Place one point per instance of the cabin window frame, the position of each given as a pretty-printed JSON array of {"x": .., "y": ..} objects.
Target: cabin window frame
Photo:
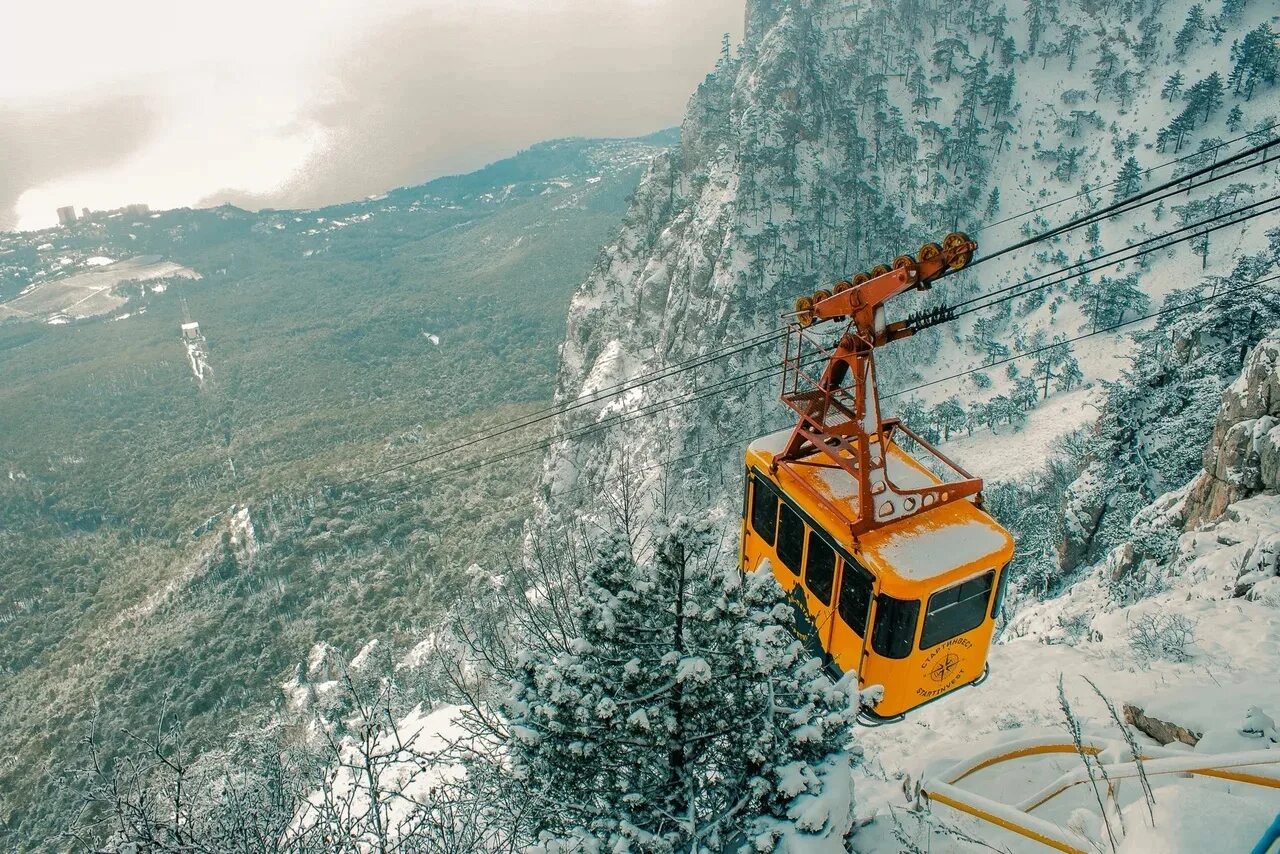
[
  {"x": 965, "y": 619},
  {"x": 1002, "y": 587},
  {"x": 756, "y": 485},
  {"x": 897, "y": 641},
  {"x": 845, "y": 560},
  {"x": 851, "y": 567},
  {"x": 798, "y": 566},
  {"x": 820, "y": 535}
]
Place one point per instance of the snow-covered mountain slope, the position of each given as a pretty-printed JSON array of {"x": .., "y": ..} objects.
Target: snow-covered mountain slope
[
  {"x": 1198, "y": 655},
  {"x": 844, "y": 133}
]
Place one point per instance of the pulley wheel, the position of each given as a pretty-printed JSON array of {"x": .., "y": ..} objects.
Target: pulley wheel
[
  {"x": 930, "y": 251},
  {"x": 819, "y": 296},
  {"x": 879, "y": 270},
  {"x": 804, "y": 311},
  {"x": 861, "y": 278},
  {"x": 955, "y": 240},
  {"x": 843, "y": 285},
  {"x": 903, "y": 261}
]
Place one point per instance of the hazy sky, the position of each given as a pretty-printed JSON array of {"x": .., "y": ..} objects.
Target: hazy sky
[{"x": 285, "y": 102}]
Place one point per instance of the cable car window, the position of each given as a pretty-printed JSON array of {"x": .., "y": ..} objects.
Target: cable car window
[
  {"x": 958, "y": 609},
  {"x": 764, "y": 511},
  {"x": 790, "y": 538},
  {"x": 894, "y": 633},
  {"x": 855, "y": 598},
  {"x": 997, "y": 604},
  {"x": 820, "y": 568}
]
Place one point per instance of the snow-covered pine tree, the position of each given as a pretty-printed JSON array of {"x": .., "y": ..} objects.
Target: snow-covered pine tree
[
  {"x": 1129, "y": 181},
  {"x": 1235, "y": 119},
  {"x": 1187, "y": 35},
  {"x": 949, "y": 415},
  {"x": 685, "y": 715},
  {"x": 1257, "y": 60}
]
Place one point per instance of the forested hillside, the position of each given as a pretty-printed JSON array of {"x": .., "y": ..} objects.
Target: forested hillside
[{"x": 171, "y": 546}]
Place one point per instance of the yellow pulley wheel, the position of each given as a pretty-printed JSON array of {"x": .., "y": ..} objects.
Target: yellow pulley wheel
[
  {"x": 930, "y": 251},
  {"x": 860, "y": 278},
  {"x": 843, "y": 285},
  {"x": 819, "y": 296},
  {"x": 903, "y": 261},
  {"x": 804, "y": 311},
  {"x": 954, "y": 240},
  {"x": 879, "y": 270}
]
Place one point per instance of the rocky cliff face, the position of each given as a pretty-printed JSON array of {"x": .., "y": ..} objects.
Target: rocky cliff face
[
  {"x": 843, "y": 133},
  {"x": 791, "y": 170},
  {"x": 1243, "y": 459}
]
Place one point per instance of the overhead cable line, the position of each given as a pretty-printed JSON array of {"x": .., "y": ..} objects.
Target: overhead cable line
[
  {"x": 1145, "y": 197},
  {"x": 723, "y": 386},
  {"x": 1157, "y": 167},
  {"x": 668, "y": 371},
  {"x": 757, "y": 375},
  {"x": 1124, "y": 206},
  {"x": 771, "y": 371},
  {"x": 737, "y": 441},
  {"x": 1081, "y": 337},
  {"x": 599, "y": 395},
  {"x": 1198, "y": 231},
  {"x": 1083, "y": 262}
]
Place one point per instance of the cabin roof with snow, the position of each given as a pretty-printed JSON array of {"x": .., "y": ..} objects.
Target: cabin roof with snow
[{"x": 956, "y": 538}]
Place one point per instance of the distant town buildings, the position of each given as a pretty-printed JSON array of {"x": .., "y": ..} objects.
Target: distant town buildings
[{"x": 67, "y": 215}]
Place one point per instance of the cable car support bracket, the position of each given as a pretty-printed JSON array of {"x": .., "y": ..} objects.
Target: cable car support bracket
[{"x": 840, "y": 425}]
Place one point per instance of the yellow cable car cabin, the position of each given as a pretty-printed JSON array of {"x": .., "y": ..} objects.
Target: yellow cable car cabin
[
  {"x": 888, "y": 553},
  {"x": 909, "y": 607}
]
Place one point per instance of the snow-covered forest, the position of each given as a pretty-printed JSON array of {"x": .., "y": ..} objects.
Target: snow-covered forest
[{"x": 620, "y": 687}]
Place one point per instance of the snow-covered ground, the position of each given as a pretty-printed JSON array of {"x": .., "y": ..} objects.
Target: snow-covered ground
[
  {"x": 1233, "y": 659},
  {"x": 1014, "y": 452}
]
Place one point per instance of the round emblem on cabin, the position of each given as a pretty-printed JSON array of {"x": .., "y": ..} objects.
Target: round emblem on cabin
[{"x": 944, "y": 668}]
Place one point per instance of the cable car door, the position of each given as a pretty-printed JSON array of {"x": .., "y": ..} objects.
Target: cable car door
[
  {"x": 851, "y": 617},
  {"x": 821, "y": 564}
]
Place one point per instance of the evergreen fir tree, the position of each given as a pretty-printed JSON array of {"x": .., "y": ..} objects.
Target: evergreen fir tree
[
  {"x": 949, "y": 415},
  {"x": 1257, "y": 60},
  {"x": 1187, "y": 35},
  {"x": 1056, "y": 364},
  {"x": 1035, "y": 24},
  {"x": 685, "y": 714},
  {"x": 1069, "y": 374},
  {"x": 1093, "y": 236},
  {"x": 1008, "y": 51},
  {"x": 1206, "y": 96},
  {"x": 1150, "y": 28},
  {"x": 1235, "y": 118},
  {"x": 1177, "y": 130},
  {"x": 1172, "y": 87},
  {"x": 995, "y": 350},
  {"x": 1129, "y": 181},
  {"x": 945, "y": 52},
  {"x": 1072, "y": 38},
  {"x": 1104, "y": 72},
  {"x": 1024, "y": 393}
]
